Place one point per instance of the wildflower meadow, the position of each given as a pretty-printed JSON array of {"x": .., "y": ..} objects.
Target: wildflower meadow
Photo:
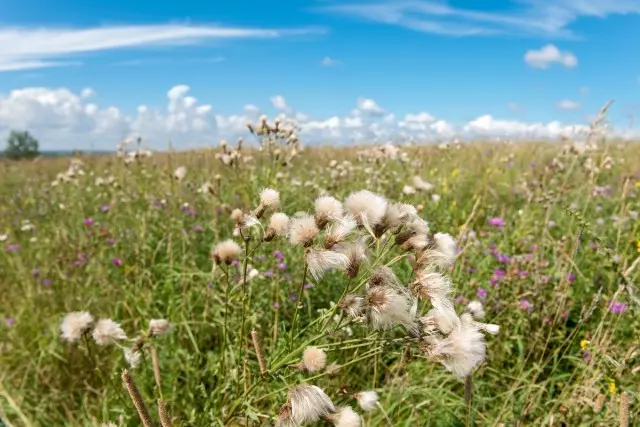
[{"x": 264, "y": 282}]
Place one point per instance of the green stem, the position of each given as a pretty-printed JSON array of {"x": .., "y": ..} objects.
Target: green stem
[{"x": 298, "y": 302}]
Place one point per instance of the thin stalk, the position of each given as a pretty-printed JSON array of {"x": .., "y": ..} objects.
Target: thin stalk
[{"x": 298, "y": 301}]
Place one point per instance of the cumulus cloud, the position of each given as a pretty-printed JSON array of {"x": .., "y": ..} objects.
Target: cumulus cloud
[
  {"x": 62, "y": 119},
  {"x": 548, "y": 55},
  {"x": 369, "y": 106},
  {"x": 567, "y": 104},
  {"x": 327, "y": 61},
  {"x": 279, "y": 103},
  {"x": 29, "y": 48}
]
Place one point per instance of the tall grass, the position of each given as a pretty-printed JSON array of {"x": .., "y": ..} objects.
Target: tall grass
[{"x": 548, "y": 240}]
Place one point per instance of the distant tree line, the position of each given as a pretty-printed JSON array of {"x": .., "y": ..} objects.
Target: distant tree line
[{"x": 21, "y": 145}]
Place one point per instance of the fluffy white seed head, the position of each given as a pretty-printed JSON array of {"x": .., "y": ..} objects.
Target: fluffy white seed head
[
  {"x": 226, "y": 252},
  {"x": 440, "y": 319},
  {"x": 132, "y": 357},
  {"x": 339, "y": 230},
  {"x": 431, "y": 285},
  {"x": 270, "y": 198},
  {"x": 352, "y": 305},
  {"x": 74, "y": 325},
  {"x": 327, "y": 209},
  {"x": 237, "y": 215},
  {"x": 180, "y": 173},
  {"x": 467, "y": 318},
  {"x": 158, "y": 327},
  {"x": 320, "y": 261},
  {"x": 368, "y": 400},
  {"x": 345, "y": 417},
  {"x": 408, "y": 190},
  {"x": 422, "y": 185},
  {"x": 366, "y": 207},
  {"x": 476, "y": 309},
  {"x": 279, "y": 223},
  {"x": 462, "y": 350},
  {"x": 388, "y": 307},
  {"x": 302, "y": 230},
  {"x": 441, "y": 252},
  {"x": 307, "y": 404},
  {"x": 107, "y": 332},
  {"x": 314, "y": 359},
  {"x": 356, "y": 252}
]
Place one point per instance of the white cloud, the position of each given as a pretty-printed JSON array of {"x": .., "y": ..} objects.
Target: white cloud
[
  {"x": 279, "y": 103},
  {"x": 523, "y": 17},
  {"x": 62, "y": 119},
  {"x": 28, "y": 48},
  {"x": 369, "y": 106},
  {"x": 567, "y": 104},
  {"x": 327, "y": 61},
  {"x": 549, "y": 55}
]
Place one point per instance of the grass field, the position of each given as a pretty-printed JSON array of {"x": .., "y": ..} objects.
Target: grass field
[{"x": 548, "y": 240}]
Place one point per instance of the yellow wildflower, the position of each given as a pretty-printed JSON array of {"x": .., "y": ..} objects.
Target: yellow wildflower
[
  {"x": 584, "y": 344},
  {"x": 638, "y": 245},
  {"x": 612, "y": 386}
]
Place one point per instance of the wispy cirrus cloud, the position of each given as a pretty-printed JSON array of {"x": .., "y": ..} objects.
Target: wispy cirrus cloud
[
  {"x": 533, "y": 18},
  {"x": 33, "y": 48}
]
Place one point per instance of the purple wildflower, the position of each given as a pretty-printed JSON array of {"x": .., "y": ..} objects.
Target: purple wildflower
[
  {"x": 481, "y": 293},
  {"x": 571, "y": 277},
  {"x": 496, "y": 222},
  {"x": 117, "y": 262},
  {"x": 46, "y": 282},
  {"x": 293, "y": 297},
  {"x": 10, "y": 321},
  {"x": 12, "y": 248},
  {"x": 282, "y": 266},
  {"x": 88, "y": 222},
  {"x": 276, "y": 305},
  {"x": 278, "y": 255},
  {"x": 617, "y": 307},
  {"x": 308, "y": 285},
  {"x": 526, "y": 305},
  {"x": 268, "y": 273},
  {"x": 105, "y": 208}
]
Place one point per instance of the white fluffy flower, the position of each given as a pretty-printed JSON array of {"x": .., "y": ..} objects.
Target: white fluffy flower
[
  {"x": 408, "y": 190},
  {"x": 476, "y": 309},
  {"x": 75, "y": 324},
  {"x": 132, "y": 357},
  {"x": 269, "y": 198},
  {"x": 345, "y": 417},
  {"x": 320, "y": 261},
  {"x": 302, "y": 230},
  {"x": 366, "y": 207},
  {"x": 462, "y": 350},
  {"x": 327, "y": 209},
  {"x": 306, "y": 404},
  {"x": 339, "y": 230},
  {"x": 180, "y": 173},
  {"x": 279, "y": 223},
  {"x": 107, "y": 332},
  {"x": 421, "y": 185},
  {"x": 389, "y": 307},
  {"x": 368, "y": 400},
  {"x": 159, "y": 327},
  {"x": 314, "y": 359},
  {"x": 226, "y": 252}
]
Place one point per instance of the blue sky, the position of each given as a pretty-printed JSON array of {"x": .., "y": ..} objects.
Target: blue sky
[{"x": 519, "y": 61}]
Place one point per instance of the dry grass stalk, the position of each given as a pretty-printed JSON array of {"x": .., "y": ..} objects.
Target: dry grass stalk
[
  {"x": 599, "y": 403},
  {"x": 156, "y": 368},
  {"x": 256, "y": 345},
  {"x": 136, "y": 398},
  {"x": 624, "y": 410},
  {"x": 165, "y": 419}
]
